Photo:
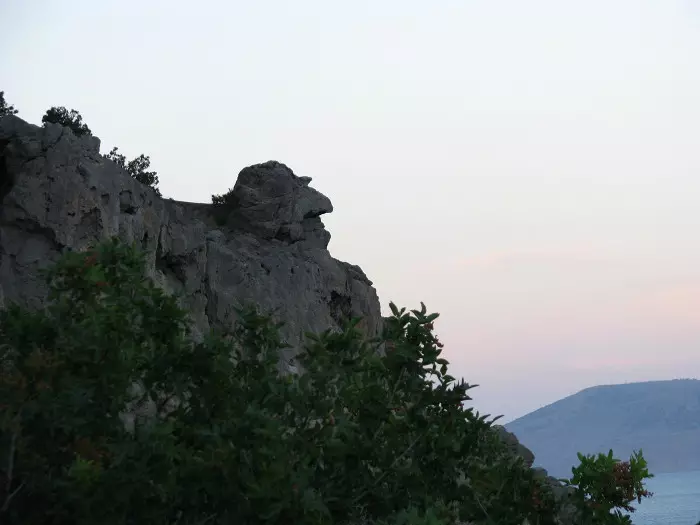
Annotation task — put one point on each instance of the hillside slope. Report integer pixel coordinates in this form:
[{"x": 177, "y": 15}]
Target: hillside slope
[{"x": 660, "y": 417}]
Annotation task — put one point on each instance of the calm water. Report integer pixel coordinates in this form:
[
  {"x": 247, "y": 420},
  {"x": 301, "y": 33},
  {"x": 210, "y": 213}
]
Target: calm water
[{"x": 676, "y": 500}]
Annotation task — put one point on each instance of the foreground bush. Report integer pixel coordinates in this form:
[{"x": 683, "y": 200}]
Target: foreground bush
[
  {"x": 607, "y": 486},
  {"x": 137, "y": 168},
  {"x": 112, "y": 414}
]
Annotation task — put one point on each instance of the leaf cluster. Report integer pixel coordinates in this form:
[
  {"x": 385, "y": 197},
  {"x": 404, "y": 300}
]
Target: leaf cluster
[{"x": 5, "y": 108}]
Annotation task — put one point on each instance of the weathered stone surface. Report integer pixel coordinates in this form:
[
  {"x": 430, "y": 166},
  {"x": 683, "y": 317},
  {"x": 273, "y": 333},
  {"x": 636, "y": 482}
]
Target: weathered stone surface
[
  {"x": 512, "y": 442},
  {"x": 58, "y": 193}
]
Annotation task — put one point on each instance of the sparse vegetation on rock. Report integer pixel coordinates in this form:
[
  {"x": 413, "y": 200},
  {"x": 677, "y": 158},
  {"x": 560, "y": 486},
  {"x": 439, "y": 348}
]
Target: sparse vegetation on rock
[
  {"x": 606, "y": 487},
  {"x": 224, "y": 199},
  {"x": 71, "y": 119},
  {"x": 113, "y": 413},
  {"x": 5, "y": 108}
]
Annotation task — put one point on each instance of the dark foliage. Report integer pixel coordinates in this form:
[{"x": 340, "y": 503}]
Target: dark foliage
[
  {"x": 70, "y": 119},
  {"x": 223, "y": 205},
  {"x": 5, "y": 108}
]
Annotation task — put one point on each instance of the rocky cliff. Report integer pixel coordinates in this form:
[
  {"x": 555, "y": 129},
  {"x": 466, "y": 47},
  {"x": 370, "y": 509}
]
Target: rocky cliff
[{"x": 58, "y": 193}]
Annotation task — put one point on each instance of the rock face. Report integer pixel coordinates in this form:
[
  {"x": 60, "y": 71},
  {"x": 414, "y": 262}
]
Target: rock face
[
  {"x": 58, "y": 193},
  {"x": 568, "y": 514}
]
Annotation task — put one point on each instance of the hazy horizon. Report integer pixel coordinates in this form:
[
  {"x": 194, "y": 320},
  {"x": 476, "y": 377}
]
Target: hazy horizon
[{"x": 529, "y": 170}]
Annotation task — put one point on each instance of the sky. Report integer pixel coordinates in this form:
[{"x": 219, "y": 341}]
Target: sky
[{"x": 529, "y": 170}]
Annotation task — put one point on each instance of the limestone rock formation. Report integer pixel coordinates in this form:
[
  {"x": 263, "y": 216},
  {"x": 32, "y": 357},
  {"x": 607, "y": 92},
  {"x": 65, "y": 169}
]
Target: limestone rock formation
[{"x": 58, "y": 193}]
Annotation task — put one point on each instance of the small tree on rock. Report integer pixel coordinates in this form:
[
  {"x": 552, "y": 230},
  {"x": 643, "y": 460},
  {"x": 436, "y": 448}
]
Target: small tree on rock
[
  {"x": 6, "y": 109},
  {"x": 71, "y": 119},
  {"x": 137, "y": 168},
  {"x": 223, "y": 205}
]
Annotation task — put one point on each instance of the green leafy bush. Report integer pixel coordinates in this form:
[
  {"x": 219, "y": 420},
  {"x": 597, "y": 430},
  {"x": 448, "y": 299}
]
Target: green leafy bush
[
  {"x": 5, "y": 108},
  {"x": 70, "y": 119},
  {"x": 137, "y": 168},
  {"x": 607, "y": 486},
  {"x": 112, "y": 413}
]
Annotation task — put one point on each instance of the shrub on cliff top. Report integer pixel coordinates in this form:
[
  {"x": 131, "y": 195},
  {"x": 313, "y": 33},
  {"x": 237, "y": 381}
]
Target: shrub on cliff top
[
  {"x": 71, "y": 119},
  {"x": 225, "y": 199},
  {"x": 214, "y": 434},
  {"x": 137, "y": 168},
  {"x": 5, "y": 108}
]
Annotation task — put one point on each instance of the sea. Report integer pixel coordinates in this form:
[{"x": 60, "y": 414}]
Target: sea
[{"x": 676, "y": 500}]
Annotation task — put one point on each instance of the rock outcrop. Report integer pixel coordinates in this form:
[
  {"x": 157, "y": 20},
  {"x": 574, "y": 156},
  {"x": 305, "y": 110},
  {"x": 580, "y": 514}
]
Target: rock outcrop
[
  {"x": 597, "y": 418},
  {"x": 58, "y": 193},
  {"x": 514, "y": 445},
  {"x": 568, "y": 513}
]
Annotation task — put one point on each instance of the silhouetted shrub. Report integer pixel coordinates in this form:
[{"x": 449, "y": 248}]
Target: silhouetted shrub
[
  {"x": 6, "y": 109},
  {"x": 607, "y": 486},
  {"x": 70, "y": 119},
  {"x": 137, "y": 168},
  {"x": 375, "y": 431},
  {"x": 222, "y": 206}
]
